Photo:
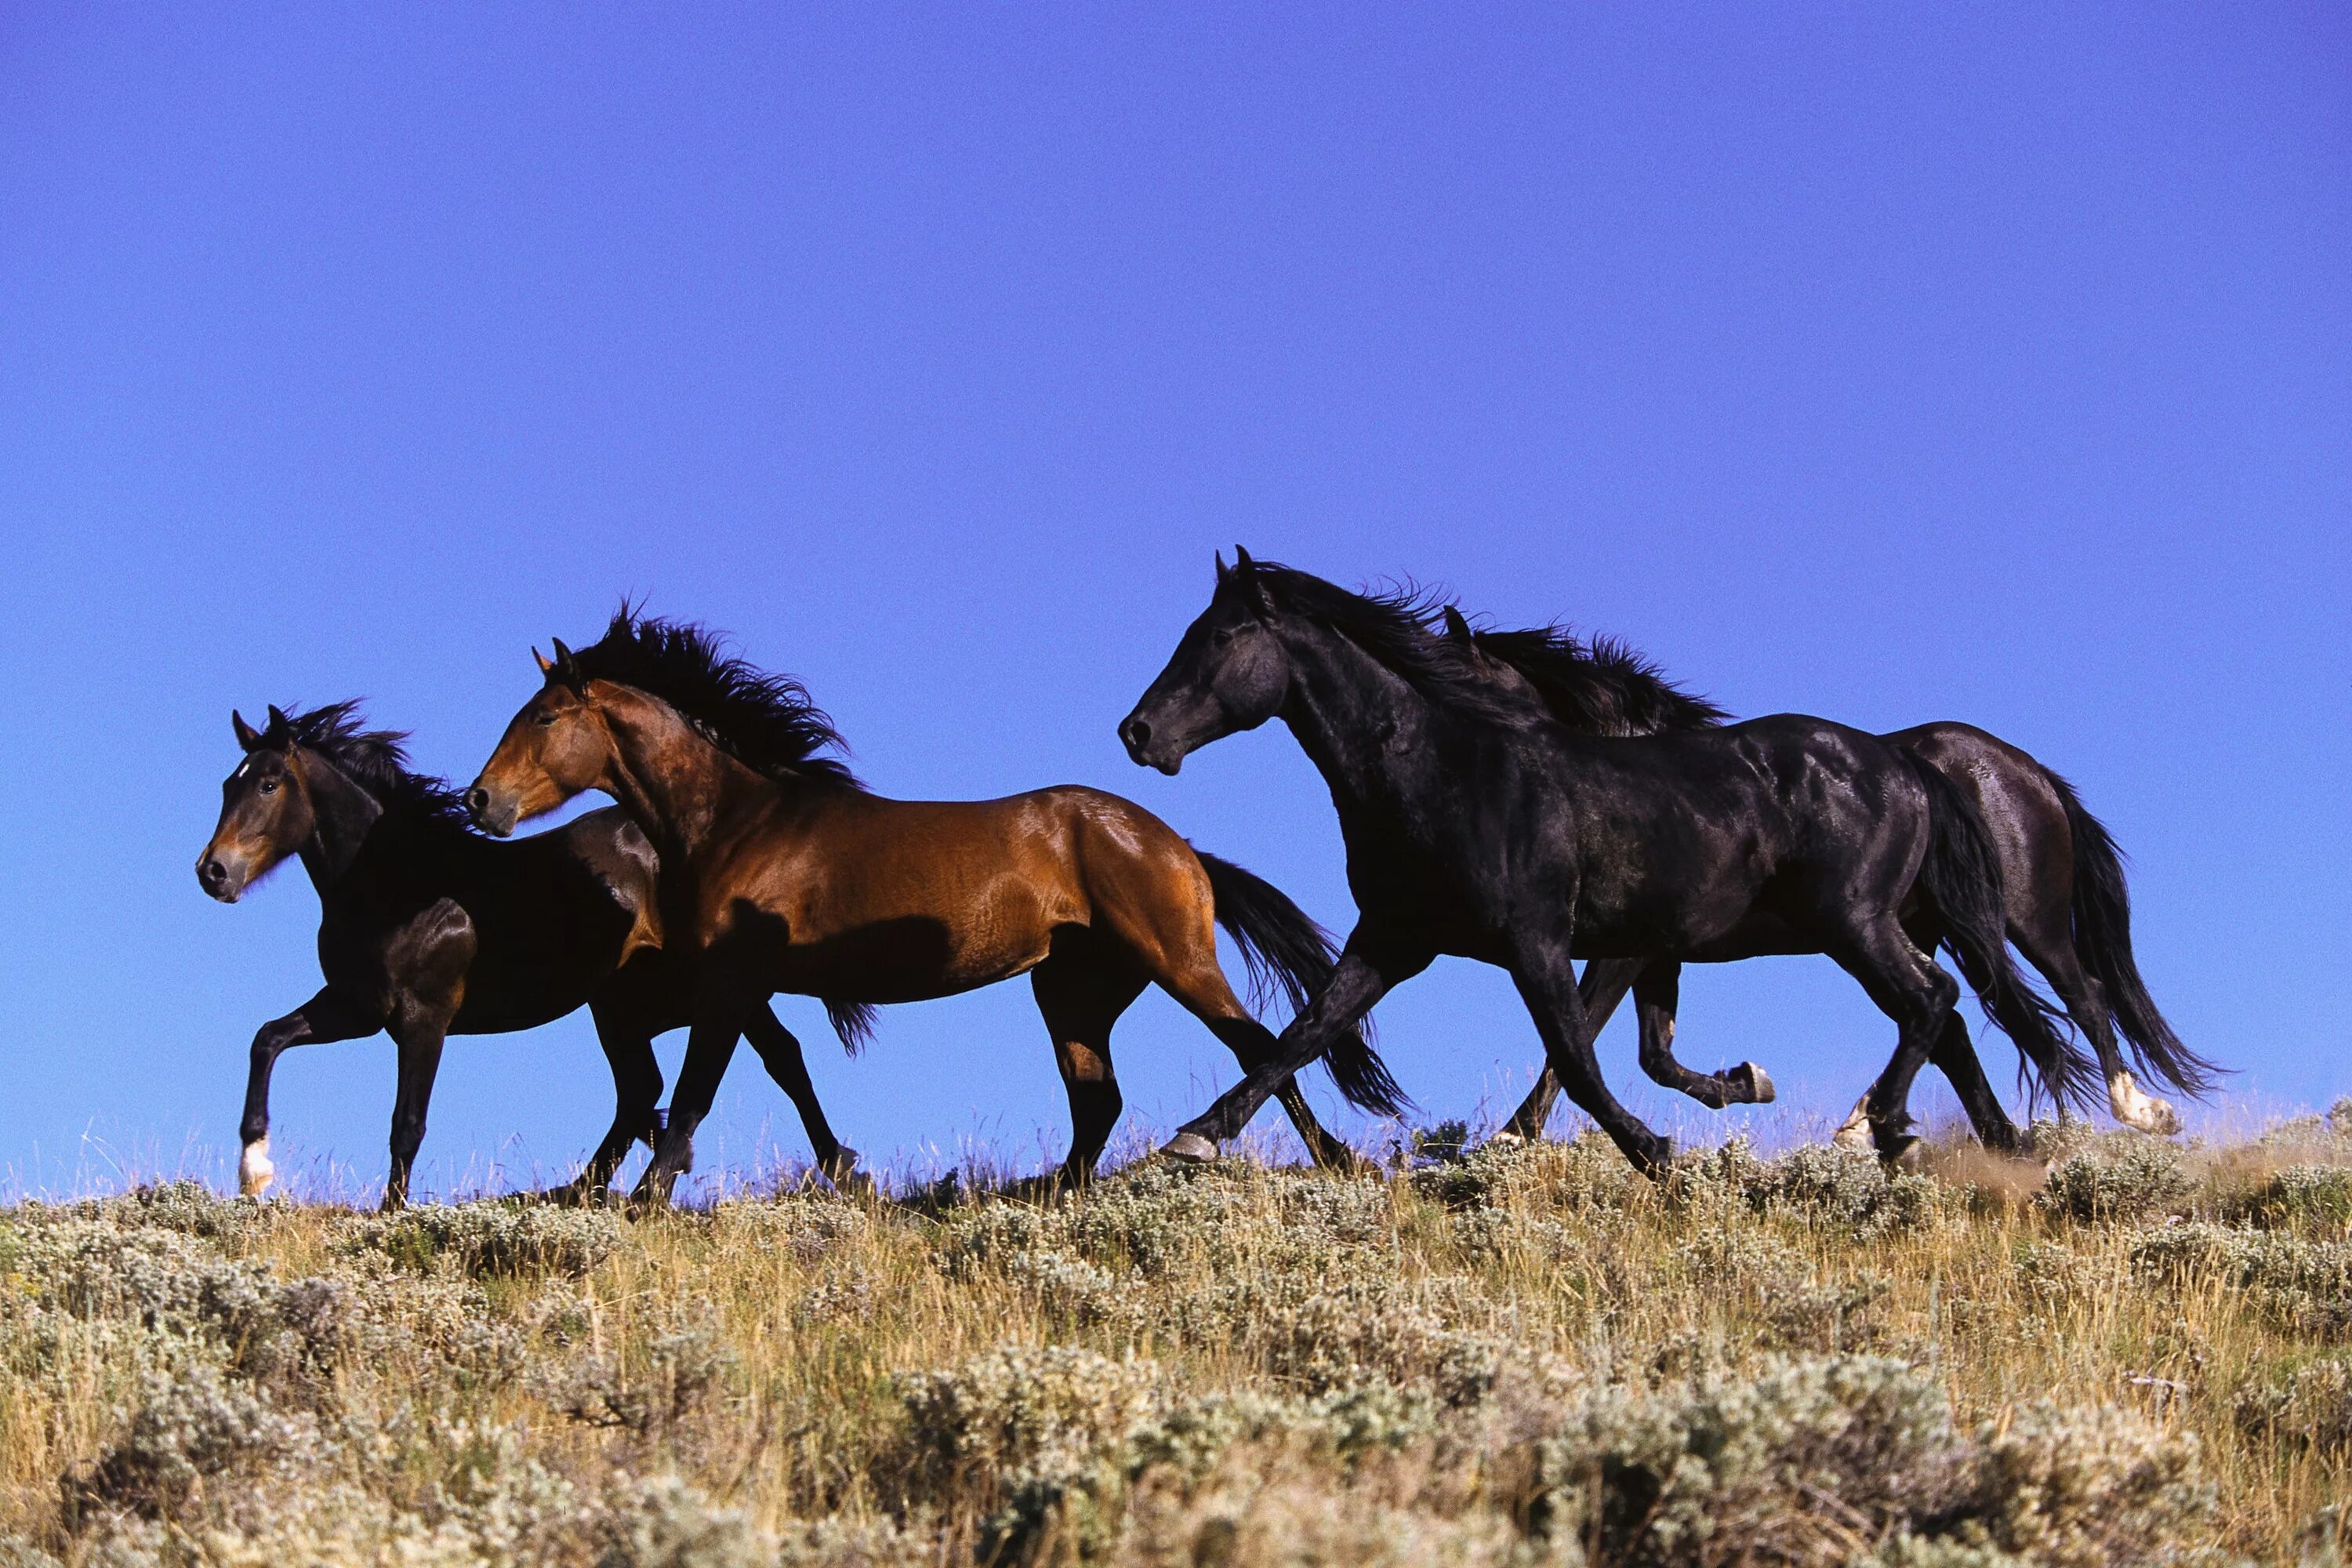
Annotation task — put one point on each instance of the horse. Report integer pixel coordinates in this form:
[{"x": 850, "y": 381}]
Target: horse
[
  {"x": 2066, "y": 901},
  {"x": 426, "y": 928},
  {"x": 1476, "y": 825},
  {"x": 781, "y": 872}
]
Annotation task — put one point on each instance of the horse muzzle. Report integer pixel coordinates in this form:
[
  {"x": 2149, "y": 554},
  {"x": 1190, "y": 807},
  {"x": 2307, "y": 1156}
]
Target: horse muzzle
[
  {"x": 224, "y": 877},
  {"x": 1148, "y": 749},
  {"x": 493, "y": 814}
]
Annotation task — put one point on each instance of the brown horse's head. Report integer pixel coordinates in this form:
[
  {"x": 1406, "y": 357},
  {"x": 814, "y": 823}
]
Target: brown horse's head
[
  {"x": 1229, "y": 673},
  {"x": 266, "y": 811},
  {"x": 554, "y": 748}
]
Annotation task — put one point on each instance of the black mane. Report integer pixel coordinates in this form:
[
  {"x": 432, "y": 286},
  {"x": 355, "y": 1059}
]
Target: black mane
[
  {"x": 1392, "y": 628},
  {"x": 1600, "y": 687},
  {"x": 768, "y": 723},
  {"x": 377, "y": 761}
]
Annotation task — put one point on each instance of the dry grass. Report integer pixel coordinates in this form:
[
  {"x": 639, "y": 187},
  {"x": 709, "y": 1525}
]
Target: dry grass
[{"x": 1520, "y": 1357}]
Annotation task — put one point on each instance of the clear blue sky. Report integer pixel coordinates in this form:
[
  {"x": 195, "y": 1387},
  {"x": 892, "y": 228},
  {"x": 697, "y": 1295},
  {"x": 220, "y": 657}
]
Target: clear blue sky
[{"x": 1892, "y": 364}]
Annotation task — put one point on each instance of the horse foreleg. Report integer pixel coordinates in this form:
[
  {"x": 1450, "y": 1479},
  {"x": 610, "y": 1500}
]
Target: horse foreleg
[
  {"x": 324, "y": 1018},
  {"x": 1364, "y": 974},
  {"x": 780, "y": 1052},
  {"x": 1604, "y": 985},
  {"x": 709, "y": 1048},
  {"x": 420, "y": 1061},
  {"x": 1546, "y": 984},
  {"x": 1658, "y": 993}
]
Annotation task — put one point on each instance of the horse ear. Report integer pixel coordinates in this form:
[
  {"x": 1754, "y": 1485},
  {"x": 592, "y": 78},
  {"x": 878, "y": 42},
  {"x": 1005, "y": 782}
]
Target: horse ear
[
  {"x": 247, "y": 737},
  {"x": 566, "y": 668},
  {"x": 546, "y": 665},
  {"x": 1245, "y": 573},
  {"x": 281, "y": 728},
  {"x": 1224, "y": 570},
  {"x": 1456, "y": 628}
]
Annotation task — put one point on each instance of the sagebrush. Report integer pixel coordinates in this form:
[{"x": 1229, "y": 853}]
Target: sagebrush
[{"x": 2123, "y": 1352}]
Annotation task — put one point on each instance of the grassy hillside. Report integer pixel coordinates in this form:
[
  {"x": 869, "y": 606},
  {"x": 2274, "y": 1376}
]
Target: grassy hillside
[{"x": 1522, "y": 1357}]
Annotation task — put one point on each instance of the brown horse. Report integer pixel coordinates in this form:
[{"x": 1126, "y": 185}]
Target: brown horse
[{"x": 780, "y": 872}]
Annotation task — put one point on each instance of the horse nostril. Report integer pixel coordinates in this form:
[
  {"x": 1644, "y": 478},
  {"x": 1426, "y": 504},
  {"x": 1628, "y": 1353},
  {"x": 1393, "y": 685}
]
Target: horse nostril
[
  {"x": 478, "y": 801},
  {"x": 211, "y": 872},
  {"x": 1136, "y": 733}
]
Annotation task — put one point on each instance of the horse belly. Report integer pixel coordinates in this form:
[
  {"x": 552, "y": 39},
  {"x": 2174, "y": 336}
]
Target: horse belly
[{"x": 993, "y": 934}]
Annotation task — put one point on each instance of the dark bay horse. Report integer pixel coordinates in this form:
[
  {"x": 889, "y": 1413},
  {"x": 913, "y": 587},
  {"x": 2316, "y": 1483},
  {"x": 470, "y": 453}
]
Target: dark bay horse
[
  {"x": 1476, "y": 825},
  {"x": 2065, "y": 900},
  {"x": 426, "y": 928},
  {"x": 781, "y": 872}
]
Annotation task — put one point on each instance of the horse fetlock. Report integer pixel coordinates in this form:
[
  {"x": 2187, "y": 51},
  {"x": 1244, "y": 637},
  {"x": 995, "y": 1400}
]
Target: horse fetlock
[
  {"x": 2134, "y": 1108},
  {"x": 254, "y": 1171}
]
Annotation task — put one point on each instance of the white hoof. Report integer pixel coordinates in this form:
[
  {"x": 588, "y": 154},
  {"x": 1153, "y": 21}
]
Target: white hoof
[
  {"x": 2137, "y": 1109},
  {"x": 1191, "y": 1148},
  {"x": 1856, "y": 1133},
  {"x": 254, "y": 1171},
  {"x": 1506, "y": 1139}
]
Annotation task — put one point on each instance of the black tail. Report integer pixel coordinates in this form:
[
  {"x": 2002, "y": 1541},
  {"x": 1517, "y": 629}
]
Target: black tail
[
  {"x": 2102, "y": 946},
  {"x": 1961, "y": 877},
  {"x": 1282, "y": 948}
]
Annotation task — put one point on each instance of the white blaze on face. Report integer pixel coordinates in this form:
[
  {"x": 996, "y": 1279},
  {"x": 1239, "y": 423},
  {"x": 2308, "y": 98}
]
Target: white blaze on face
[
  {"x": 2137, "y": 1109},
  {"x": 254, "y": 1171},
  {"x": 1855, "y": 1133}
]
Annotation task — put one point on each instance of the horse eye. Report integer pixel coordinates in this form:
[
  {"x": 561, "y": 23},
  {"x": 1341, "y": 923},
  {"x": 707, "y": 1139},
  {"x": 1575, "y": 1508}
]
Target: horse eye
[
  {"x": 544, "y": 720},
  {"x": 270, "y": 786},
  {"x": 1220, "y": 636}
]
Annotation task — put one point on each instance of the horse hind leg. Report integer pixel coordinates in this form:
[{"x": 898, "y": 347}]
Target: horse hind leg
[
  {"x": 1081, "y": 996},
  {"x": 1656, "y": 995},
  {"x": 1908, "y": 986},
  {"x": 2085, "y": 1001},
  {"x": 1189, "y": 971}
]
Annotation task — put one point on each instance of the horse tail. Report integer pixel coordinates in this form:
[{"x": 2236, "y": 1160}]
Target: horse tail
[
  {"x": 2103, "y": 945},
  {"x": 1961, "y": 877},
  {"x": 1284, "y": 948}
]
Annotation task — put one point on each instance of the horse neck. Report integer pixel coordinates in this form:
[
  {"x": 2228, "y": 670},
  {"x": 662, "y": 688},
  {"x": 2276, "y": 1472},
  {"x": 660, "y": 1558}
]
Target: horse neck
[
  {"x": 1351, "y": 714},
  {"x": 665, "y": 774},
  {"x": 343, "y": 814}
]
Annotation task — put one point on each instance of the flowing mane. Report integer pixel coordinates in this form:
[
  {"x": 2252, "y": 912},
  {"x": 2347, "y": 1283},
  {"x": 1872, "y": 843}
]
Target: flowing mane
[
  {"x": 1600, "y": 687},
  {"x": 767, "y": 723},
  {"x": 377, "y": 761},
  {"x": 1392, "y": 628}
]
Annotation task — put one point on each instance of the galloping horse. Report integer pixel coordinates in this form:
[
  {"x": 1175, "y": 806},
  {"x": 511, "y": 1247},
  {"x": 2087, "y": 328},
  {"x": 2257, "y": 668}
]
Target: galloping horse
[
  {"x": 781, "y": 872},
  {"x": 2066, "y": 904},
  {"x": 427, "y": 929},
  {"x": 1476, "y": 825}
]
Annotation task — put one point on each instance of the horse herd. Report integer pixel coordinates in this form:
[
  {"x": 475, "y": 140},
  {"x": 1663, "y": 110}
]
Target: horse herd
[{"x": 1527, "y": 798}]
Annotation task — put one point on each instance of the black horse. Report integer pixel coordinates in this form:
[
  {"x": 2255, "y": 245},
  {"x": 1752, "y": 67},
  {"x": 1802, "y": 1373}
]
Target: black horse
[
  {"x": 1478, "y": 825},
  {"x": 2066, "y": 904},
  {"x": 427, "y": 929}
]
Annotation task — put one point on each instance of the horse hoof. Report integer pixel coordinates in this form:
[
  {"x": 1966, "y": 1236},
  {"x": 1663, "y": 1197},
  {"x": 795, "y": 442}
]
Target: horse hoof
[
  {"x": 1190, "y": 1148},
  {"x": 1506, "y": 1139},
  {"x": 1754, "y": 1084},
  {"x": 254, "y": 1171}
]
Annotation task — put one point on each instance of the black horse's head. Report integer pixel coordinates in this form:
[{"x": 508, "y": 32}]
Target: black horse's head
[
  {"x": 266, "y": 811},
  {"x": 1229, "y": 673}
]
